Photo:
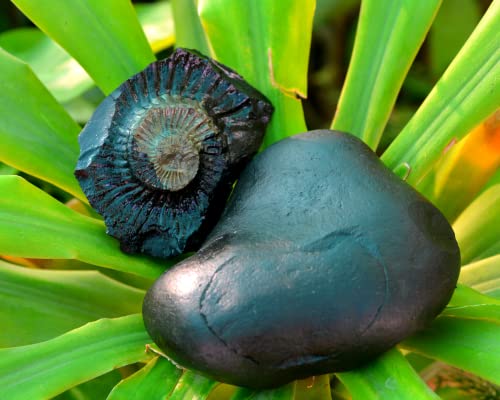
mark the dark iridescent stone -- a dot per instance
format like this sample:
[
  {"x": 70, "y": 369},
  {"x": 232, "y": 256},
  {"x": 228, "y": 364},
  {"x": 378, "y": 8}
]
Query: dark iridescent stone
[
  {"x": 160, "y": 154},
  {"x": 322, "y": 260}
]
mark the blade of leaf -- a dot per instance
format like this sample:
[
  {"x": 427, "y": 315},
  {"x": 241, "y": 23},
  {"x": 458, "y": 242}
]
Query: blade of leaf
[
  {"x": 38, "y": 304},
  {"x": 467, "y": 93},
  {"x": 223, "y": 391},
  {"x": 192, "y": 386},
  {"x": 188, "y": 30},
  {"x": 56, "y": 69},
  {"x": 388, "y": 37},
  {"x": 82, "y": 107},
  {"x": 454, "y": 23},
  {"x": 154, "y": 381},
  {"x": 28, "y": 214},
  {"x": 459, "y": 176},
  {"x": 270, "y": 55},
  {"x": 7, "y": 169},
  {"x": 340, "y": 392},
  {"x": 97, "y": 388},
  {"x": 42, "y": 370},
  {"x": 36, "y": 135},
  {"x": 483, "y": 275},
  {"x": 388, "y": 377},
  {"x": 471, "y": 345},
  {"x": 476, "y": 228},
  {"x": 468, "y": 303},
  {"x": 157, "y": 22},
  {"x": 285, "y": 392},
  {"x": 104, "y": 36},
  {"x": 494, "y": 180}
]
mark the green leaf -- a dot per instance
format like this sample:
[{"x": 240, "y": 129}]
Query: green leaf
[
  {"x": 42, "y": 370},
  {"x": 82, "y": 107},
  {"x": 95, "y": 389},
  {"x": 104, "y": 36},
  {"x": 192, "y": 386},
  {"x": 467, "y": 93},
  {"x": 483, "y": 275},
  {"x": 286, "y": 392},
  {"x": 476, "y": 228},
  {"x": 270, "y": 55},
  {"x": 66, "y": 299},
  {"x": 7, "y": 169},
  {"x": 35, "y": 225},
  {"x": 56, "y": 69},
  {"x": 494, "y": 180},
  {"x": 388, "y": 377},
  {"x": 468, "y": 344},
  {"x": 188, "y": 30},
  {"x": 388, "y": 37},
  {"x": 154, "y": 381},
  {"x": 476, "y": 157},
  {"x": 157, "y": 22},
  {"x": 468, "y": 303},
  {"x": 453, "y": 24},
  {"x": 36, "y": 135}
]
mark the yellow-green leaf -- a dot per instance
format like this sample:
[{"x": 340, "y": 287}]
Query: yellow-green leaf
[
  {"x": 35, "y": 225},
  {"x": 39, "y": 304},
  {"x": 388, "y": 377},
  {"x": 388, "y": 37},
  {"x": 252, "y": 38},
  {"x": 37, "y": 136},
  {"x": 104, "y": 36},
  {"x": 40, "y": 371},
  {"x": 467, "y": 93},
  {"x": 155, "y": 381}
]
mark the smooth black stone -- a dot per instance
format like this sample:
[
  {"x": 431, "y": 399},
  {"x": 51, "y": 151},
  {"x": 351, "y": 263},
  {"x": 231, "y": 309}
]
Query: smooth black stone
[{"x": 322, "y": 260}]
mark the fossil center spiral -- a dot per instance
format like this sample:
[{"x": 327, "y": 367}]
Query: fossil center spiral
[{"x": 166, "y": 144}]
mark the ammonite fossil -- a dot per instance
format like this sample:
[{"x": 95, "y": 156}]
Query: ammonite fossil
[
  {"x": 322, "y": 260},
  {"x": 160, "y": 154}
]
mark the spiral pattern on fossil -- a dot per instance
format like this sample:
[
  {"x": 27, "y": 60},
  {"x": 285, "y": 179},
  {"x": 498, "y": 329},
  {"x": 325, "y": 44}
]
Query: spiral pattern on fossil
[{"x": 160, "y": 154}]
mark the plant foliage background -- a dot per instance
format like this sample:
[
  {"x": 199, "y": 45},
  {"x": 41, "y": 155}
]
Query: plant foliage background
[{"x": 416, "y": 80}]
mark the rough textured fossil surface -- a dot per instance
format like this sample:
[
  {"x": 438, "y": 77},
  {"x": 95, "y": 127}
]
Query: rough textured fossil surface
[
  {"x": 322, "y": 260},
  {"x": 160, "y": 154}
]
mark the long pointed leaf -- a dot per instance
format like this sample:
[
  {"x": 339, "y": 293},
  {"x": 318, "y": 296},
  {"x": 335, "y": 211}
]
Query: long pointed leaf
[
  {"x": 188, "y": 30},
  {"x": 35, "y": 225},
  {"x": 452, "y": 26},
  {"x": 467, "y": 303},
  {"x": 460, "y": 175},
  {"x": 483, "y": 275},
  {"x": 157, "y": 22},
  {"x": 55, "y": 68},
  {"x": 388, "y": 37},
  {"x": 37, "y": 136},
  {"x": 467, "y": 93},
  {"x": 494, "y": 180},
  {"x": 154, "y": 381},
  {"x": 95, "y": 389},
  {"x": 252, "y": 38},
  {"x": 104, "y": 36},
  {"x": 471, "y": 345},
  {"x": 477, "y": 228},
  {"x": 192, "y": 386},
  {"x": 46, "y": 369},
  {"x": 388, "y": 377},
  {"x": 38, "y": 304}
]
